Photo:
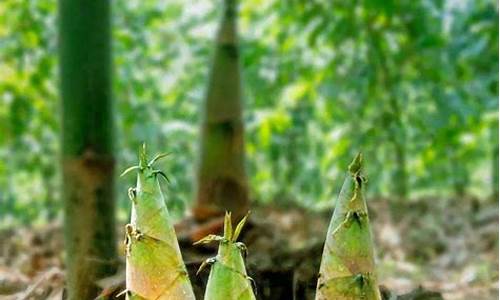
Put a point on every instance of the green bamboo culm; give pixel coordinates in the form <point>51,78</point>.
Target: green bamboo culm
<point>154,269</point>
<point>347,270</point>
<point>87,144</point>
<point>228,279</point>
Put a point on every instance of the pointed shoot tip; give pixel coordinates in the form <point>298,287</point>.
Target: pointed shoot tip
<point>356,164</point>
<point>143,158</point>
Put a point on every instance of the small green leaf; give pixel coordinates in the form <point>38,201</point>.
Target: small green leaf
<point>157,158</point>
<point>239,227</point>
<point>129,170</point>
<point>228,226</point>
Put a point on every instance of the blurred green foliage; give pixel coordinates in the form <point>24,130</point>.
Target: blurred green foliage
<point>412,84</point>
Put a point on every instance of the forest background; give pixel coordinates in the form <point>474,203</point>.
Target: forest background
<point>411,84</point>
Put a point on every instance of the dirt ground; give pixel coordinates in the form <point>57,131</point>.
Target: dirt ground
<point>429,243</point>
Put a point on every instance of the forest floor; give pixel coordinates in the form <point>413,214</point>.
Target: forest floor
<point>433,243</point>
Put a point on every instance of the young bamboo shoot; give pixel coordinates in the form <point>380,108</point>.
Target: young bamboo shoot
<point>155,269</point>
<point>228,279</point>
<point>347,270</point>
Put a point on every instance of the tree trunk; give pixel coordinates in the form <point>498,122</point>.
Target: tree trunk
<point>221,178</point>
<point>87,144</point>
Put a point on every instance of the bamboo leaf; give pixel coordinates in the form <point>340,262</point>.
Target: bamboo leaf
<point>208,239</point>
<point>129,170</point>
<point>158,157</point>
<point>239,227</point>
<point>228,226</point>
